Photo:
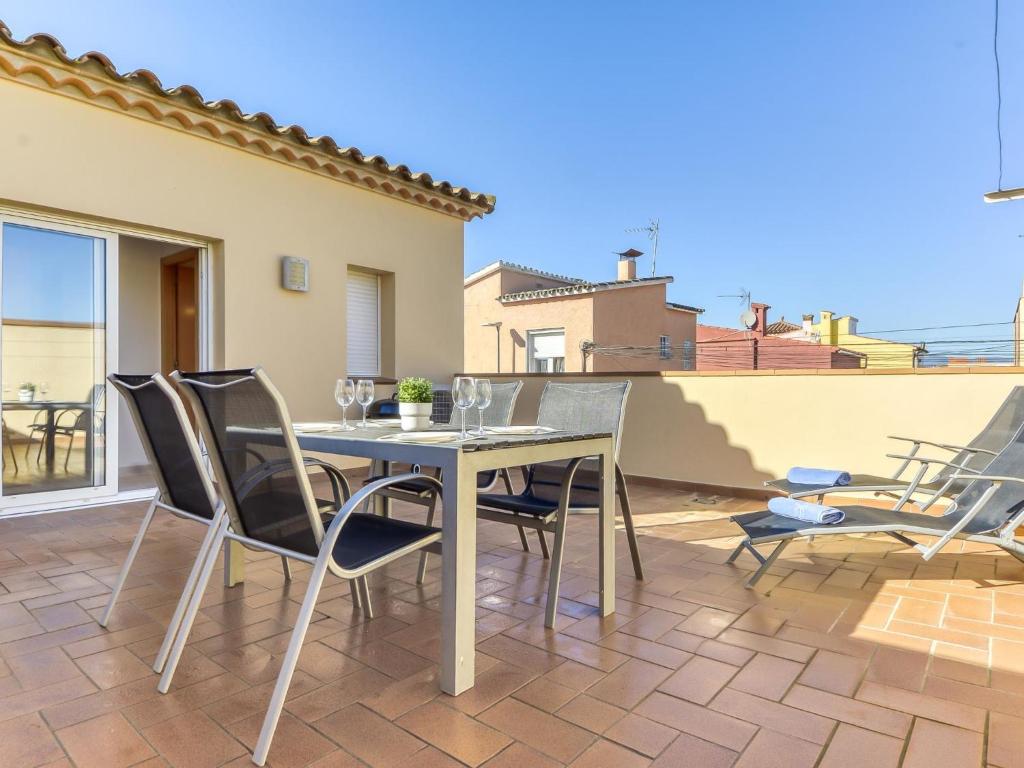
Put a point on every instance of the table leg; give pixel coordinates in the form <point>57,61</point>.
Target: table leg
<point>234,563</point>
<point>606,537</point>
<point>51,437</point>
<point>458,577</point>
<point>381,503</point>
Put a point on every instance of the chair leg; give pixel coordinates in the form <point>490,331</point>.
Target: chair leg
<point>193,608</point>
<point>187,592</point>
<point>286,567</point>
<point>627,519</point>
<point>736,552</point>
<point>354,589</point>
<point>543,544</point>
<point>421,573</point>
<point>756,575</point>
<point>122,577</point>
<point>522,536</point>
<point>291,658</point>
<point>364,590</point>
<point>67,456</point>
<point>555,569</point>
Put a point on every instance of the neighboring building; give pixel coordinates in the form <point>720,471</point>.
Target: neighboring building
<point>731,349</point>
<point>520,319</point>
<point>842,332</point>
<point>143,227</point>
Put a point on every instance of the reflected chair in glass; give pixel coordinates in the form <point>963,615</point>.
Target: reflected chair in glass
<point>9,446</point>
<point>270,507</point>
<point>422,493</point>
<point>39,429</point>
<point>554,489</point>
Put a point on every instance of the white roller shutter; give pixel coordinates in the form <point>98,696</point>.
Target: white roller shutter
<point>363,324</point>
<point>549,344</point>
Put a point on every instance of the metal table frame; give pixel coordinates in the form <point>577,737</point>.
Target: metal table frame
<point>459,464</point>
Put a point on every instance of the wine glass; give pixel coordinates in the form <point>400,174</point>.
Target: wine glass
<point>44,388</point>
<point>483,401</point>
<point>364,396</point>
<point>345,395</point>
<point>464,395</point>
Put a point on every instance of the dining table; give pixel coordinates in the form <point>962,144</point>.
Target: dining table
<point>53,409</point>
<point>459,460</point>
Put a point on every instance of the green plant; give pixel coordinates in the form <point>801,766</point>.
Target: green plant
<point>415,390</point>
<point>28,385</point>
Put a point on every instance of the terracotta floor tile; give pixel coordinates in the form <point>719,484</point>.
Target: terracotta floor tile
<point>369,736</point>
<point>834,672</point>
<point>455,733</point>
<point>922,706</point>
<point>43,668</point>
<point>690,752</point>
<point>295,743</point>
<point>545,695</point>
<point>492,685</point>
<point>117,666</point>
<point>193,740</point>
<point>707,622</point>
<point>521,756</point>
<point>933,744</point>
<point>546,733</point>
<point>574,675</point>
<point>777,717</point>
<point>401,696</point>
<point>699,680</point>
<point>849,710</point>
<point>630,683</point>
<point>902,669</point>
<point>338,694</point>
<point>105,742</point>
<point>641,735</point>
<point>1005,741</point>
<point>850,746</point>
<point>590,713</point>
<point>27,742</point>
<point>730,732</point>
<point>767,676</point>
<point>776,750</point>
<point>605,754</point>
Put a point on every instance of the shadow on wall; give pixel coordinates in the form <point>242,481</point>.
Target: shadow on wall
<point>665,435</point>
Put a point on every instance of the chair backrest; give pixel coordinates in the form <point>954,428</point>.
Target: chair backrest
<point>443,408</point>
<point>585,407</point>
<point>1008,500</point>
<point>255,457</point>
<point>503,404</point>
<point>578,407</point>
<point>999,431</point>
<point>169,442</point>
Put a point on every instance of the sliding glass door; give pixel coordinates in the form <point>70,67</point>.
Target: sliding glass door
<point>57,341</point>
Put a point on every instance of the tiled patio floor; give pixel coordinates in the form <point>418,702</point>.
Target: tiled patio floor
<point>861,655</point>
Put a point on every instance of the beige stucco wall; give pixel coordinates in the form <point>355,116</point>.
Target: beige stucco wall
<point>739,430</point>
<point>575,314</point>
<point>74,157</point>
<point>634,317</point>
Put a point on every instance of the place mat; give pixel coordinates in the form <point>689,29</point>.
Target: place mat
<point>316,426</point>
<point>421,437</point>
<point>521,429</point>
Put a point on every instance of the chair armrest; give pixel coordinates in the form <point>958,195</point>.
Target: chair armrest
<point>951,447</point>
<point>927,460</point>
<point>264,471</point>
<point>997,479</point>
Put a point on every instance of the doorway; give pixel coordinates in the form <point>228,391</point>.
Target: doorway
<point>179,313</point>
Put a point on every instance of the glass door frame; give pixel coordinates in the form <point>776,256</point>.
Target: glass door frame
<point>109,487</point>
<point>110,232</point>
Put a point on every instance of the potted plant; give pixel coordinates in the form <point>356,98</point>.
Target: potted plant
<point>27,392</point>
<point>415,401</point>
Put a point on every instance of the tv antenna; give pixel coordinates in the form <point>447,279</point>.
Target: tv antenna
<point>652,230</point>
<point>747,318</point>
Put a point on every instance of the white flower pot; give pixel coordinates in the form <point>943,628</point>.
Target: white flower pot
<point>26,395</point>
<point>415,416</point>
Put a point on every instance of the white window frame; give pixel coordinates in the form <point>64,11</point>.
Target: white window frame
<point>348,370</point>
<point>531,358</point>
<point>665,347</point>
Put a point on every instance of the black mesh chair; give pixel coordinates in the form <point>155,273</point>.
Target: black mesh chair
<point>270,507</point>
<point>554,489</point>
<point>424,493</point>
<point>183,487</point>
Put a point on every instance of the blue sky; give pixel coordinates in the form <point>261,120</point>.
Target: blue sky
<point>823,155</point>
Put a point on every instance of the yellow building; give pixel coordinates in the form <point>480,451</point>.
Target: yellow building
<point>880,353</point>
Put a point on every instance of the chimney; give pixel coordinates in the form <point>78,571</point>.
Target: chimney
<point>761,313</point>
<point>808,324</point>
<point>627,264</point>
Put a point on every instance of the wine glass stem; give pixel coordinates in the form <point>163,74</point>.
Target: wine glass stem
<point>344,416</point>
<point>463,413</point>
<point>364,417</point>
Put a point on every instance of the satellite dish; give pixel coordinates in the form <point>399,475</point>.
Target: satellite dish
<point>748,319</point>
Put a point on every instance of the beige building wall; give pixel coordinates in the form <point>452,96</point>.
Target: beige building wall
<point>575,314</point>
<point>715,429</point>
<point>638,316</point>
<point>76,158</point>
